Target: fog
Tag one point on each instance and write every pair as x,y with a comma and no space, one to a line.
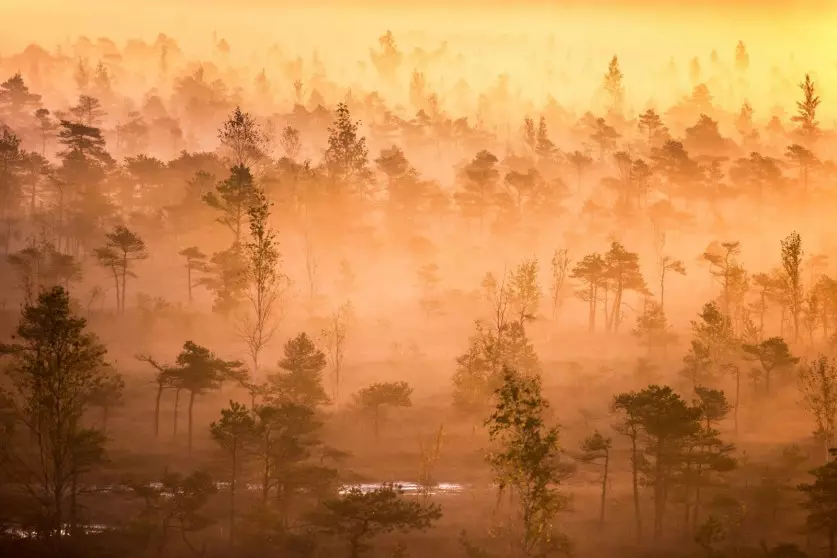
413,279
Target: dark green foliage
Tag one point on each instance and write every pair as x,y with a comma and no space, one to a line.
359,516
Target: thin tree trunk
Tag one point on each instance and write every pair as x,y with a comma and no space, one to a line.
635,483
604,488
174,420
157,410
232,492
191,406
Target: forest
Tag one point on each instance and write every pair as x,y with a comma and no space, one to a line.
387,310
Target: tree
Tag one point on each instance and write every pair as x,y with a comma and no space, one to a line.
725,268
359,516
668,264
652,125
772,354
526,461
334,336
265,281
668,423
524,291
614,87
233,198
175,505
623,274
592,272
243,138
707,453
301,383
107,394
594,448
818,384
742,59
195,262
122,249
605,136
88,111
54,366
579,162
11,180
806,113
347,157
479,186
560,270
232,432
375,398
166,378
198,371
652,328
712,348
804,159
792,266
821,503
629,406
16,100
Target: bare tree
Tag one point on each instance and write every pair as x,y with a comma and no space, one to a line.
334,336
560,270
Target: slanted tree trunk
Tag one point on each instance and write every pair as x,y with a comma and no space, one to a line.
604,487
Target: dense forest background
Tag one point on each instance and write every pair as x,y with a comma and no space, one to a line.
471,293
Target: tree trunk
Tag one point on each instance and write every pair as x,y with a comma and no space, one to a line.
232,492
189,278
157,410
191,406
174,418
635,483
604,488
124,279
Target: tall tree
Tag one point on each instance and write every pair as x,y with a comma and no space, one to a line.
525,461
623,274
772,354
806,113
821,503
122,249
199,371
592,272
55,365
792,253
233,198
374,399
195,263
629,406
243,139
479,186
818,384
232,432
596,447
265,281
614,88
301,379
347,156
668,264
